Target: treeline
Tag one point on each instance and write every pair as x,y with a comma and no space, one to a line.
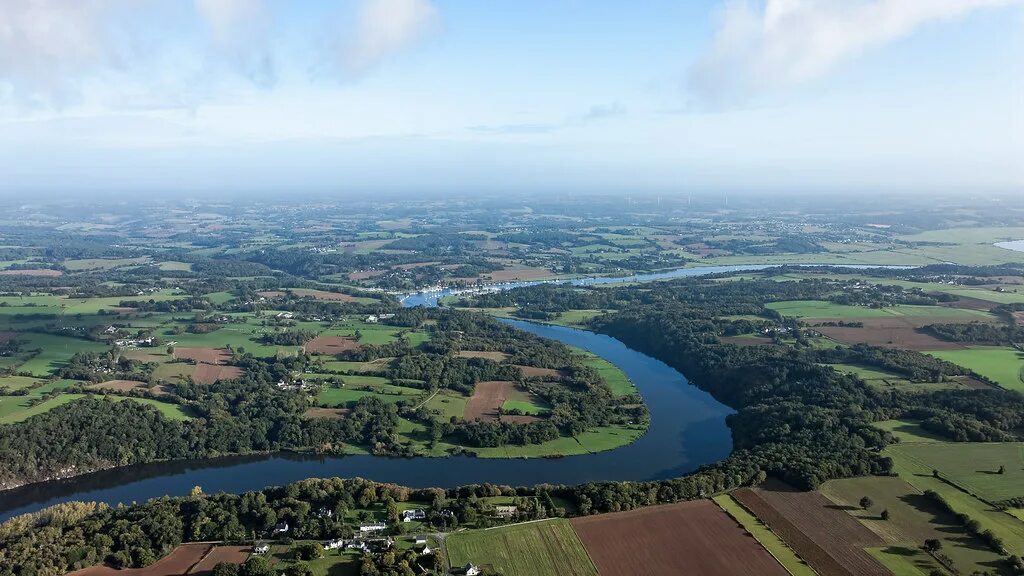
238,416
78,535
287,337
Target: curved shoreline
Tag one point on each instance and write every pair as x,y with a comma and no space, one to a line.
687,430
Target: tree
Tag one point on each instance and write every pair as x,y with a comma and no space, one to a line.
1002,469
932,545
884,515
225,569
256,566
298,569
197,492
935,472
309,551
866,503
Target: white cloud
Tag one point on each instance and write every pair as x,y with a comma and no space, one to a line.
385,27
227,17
46,44
768,43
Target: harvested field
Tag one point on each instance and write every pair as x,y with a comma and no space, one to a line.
486,399
43,272
496,356
209,373
968,303
695,538
226,554
143,356
325,413
177,563
913,519
746,340
204,355
271,294
128,386
534,372
365,274
323,295
827,538
889,332
548,548
331,345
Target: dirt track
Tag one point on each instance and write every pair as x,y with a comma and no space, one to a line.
690,538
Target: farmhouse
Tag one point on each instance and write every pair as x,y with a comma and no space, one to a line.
375,527
467,570
416,514
261,549
334,544
505,511
280,528
420,540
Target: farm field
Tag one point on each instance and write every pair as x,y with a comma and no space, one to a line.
1001,364
177,563
820,309
913,518
973,466
616,378
775,546
799,517
884,380
548,548
696,538
1003,525
907,431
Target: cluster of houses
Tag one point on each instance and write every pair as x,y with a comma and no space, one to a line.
136,342
414,515
374,318
297,386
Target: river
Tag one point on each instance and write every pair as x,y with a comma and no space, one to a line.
687,430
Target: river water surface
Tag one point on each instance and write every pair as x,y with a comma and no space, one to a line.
687,430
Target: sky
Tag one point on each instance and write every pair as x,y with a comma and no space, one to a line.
358,96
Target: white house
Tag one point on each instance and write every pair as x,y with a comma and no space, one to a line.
261,549
334,544
281,528
415,514
375,527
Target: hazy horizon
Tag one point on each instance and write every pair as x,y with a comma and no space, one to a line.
435,96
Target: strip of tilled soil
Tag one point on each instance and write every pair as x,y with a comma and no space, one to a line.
486,399
534,372
177,563
888,333
209,373
331,345
226,554
496,356
207,355
45,272
689,538
326,413
828,539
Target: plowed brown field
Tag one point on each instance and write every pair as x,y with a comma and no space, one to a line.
331,345
207,355
690,538
486,399
226,554
890,332
208,373
827,538
177,563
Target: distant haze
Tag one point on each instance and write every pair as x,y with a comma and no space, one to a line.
435,96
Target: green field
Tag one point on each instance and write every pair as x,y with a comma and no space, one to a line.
589,442
973,466
357,387
1001,364
913,518
16,408
764,536
616,378
56,351
549,548
824,309
907,431
919,475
